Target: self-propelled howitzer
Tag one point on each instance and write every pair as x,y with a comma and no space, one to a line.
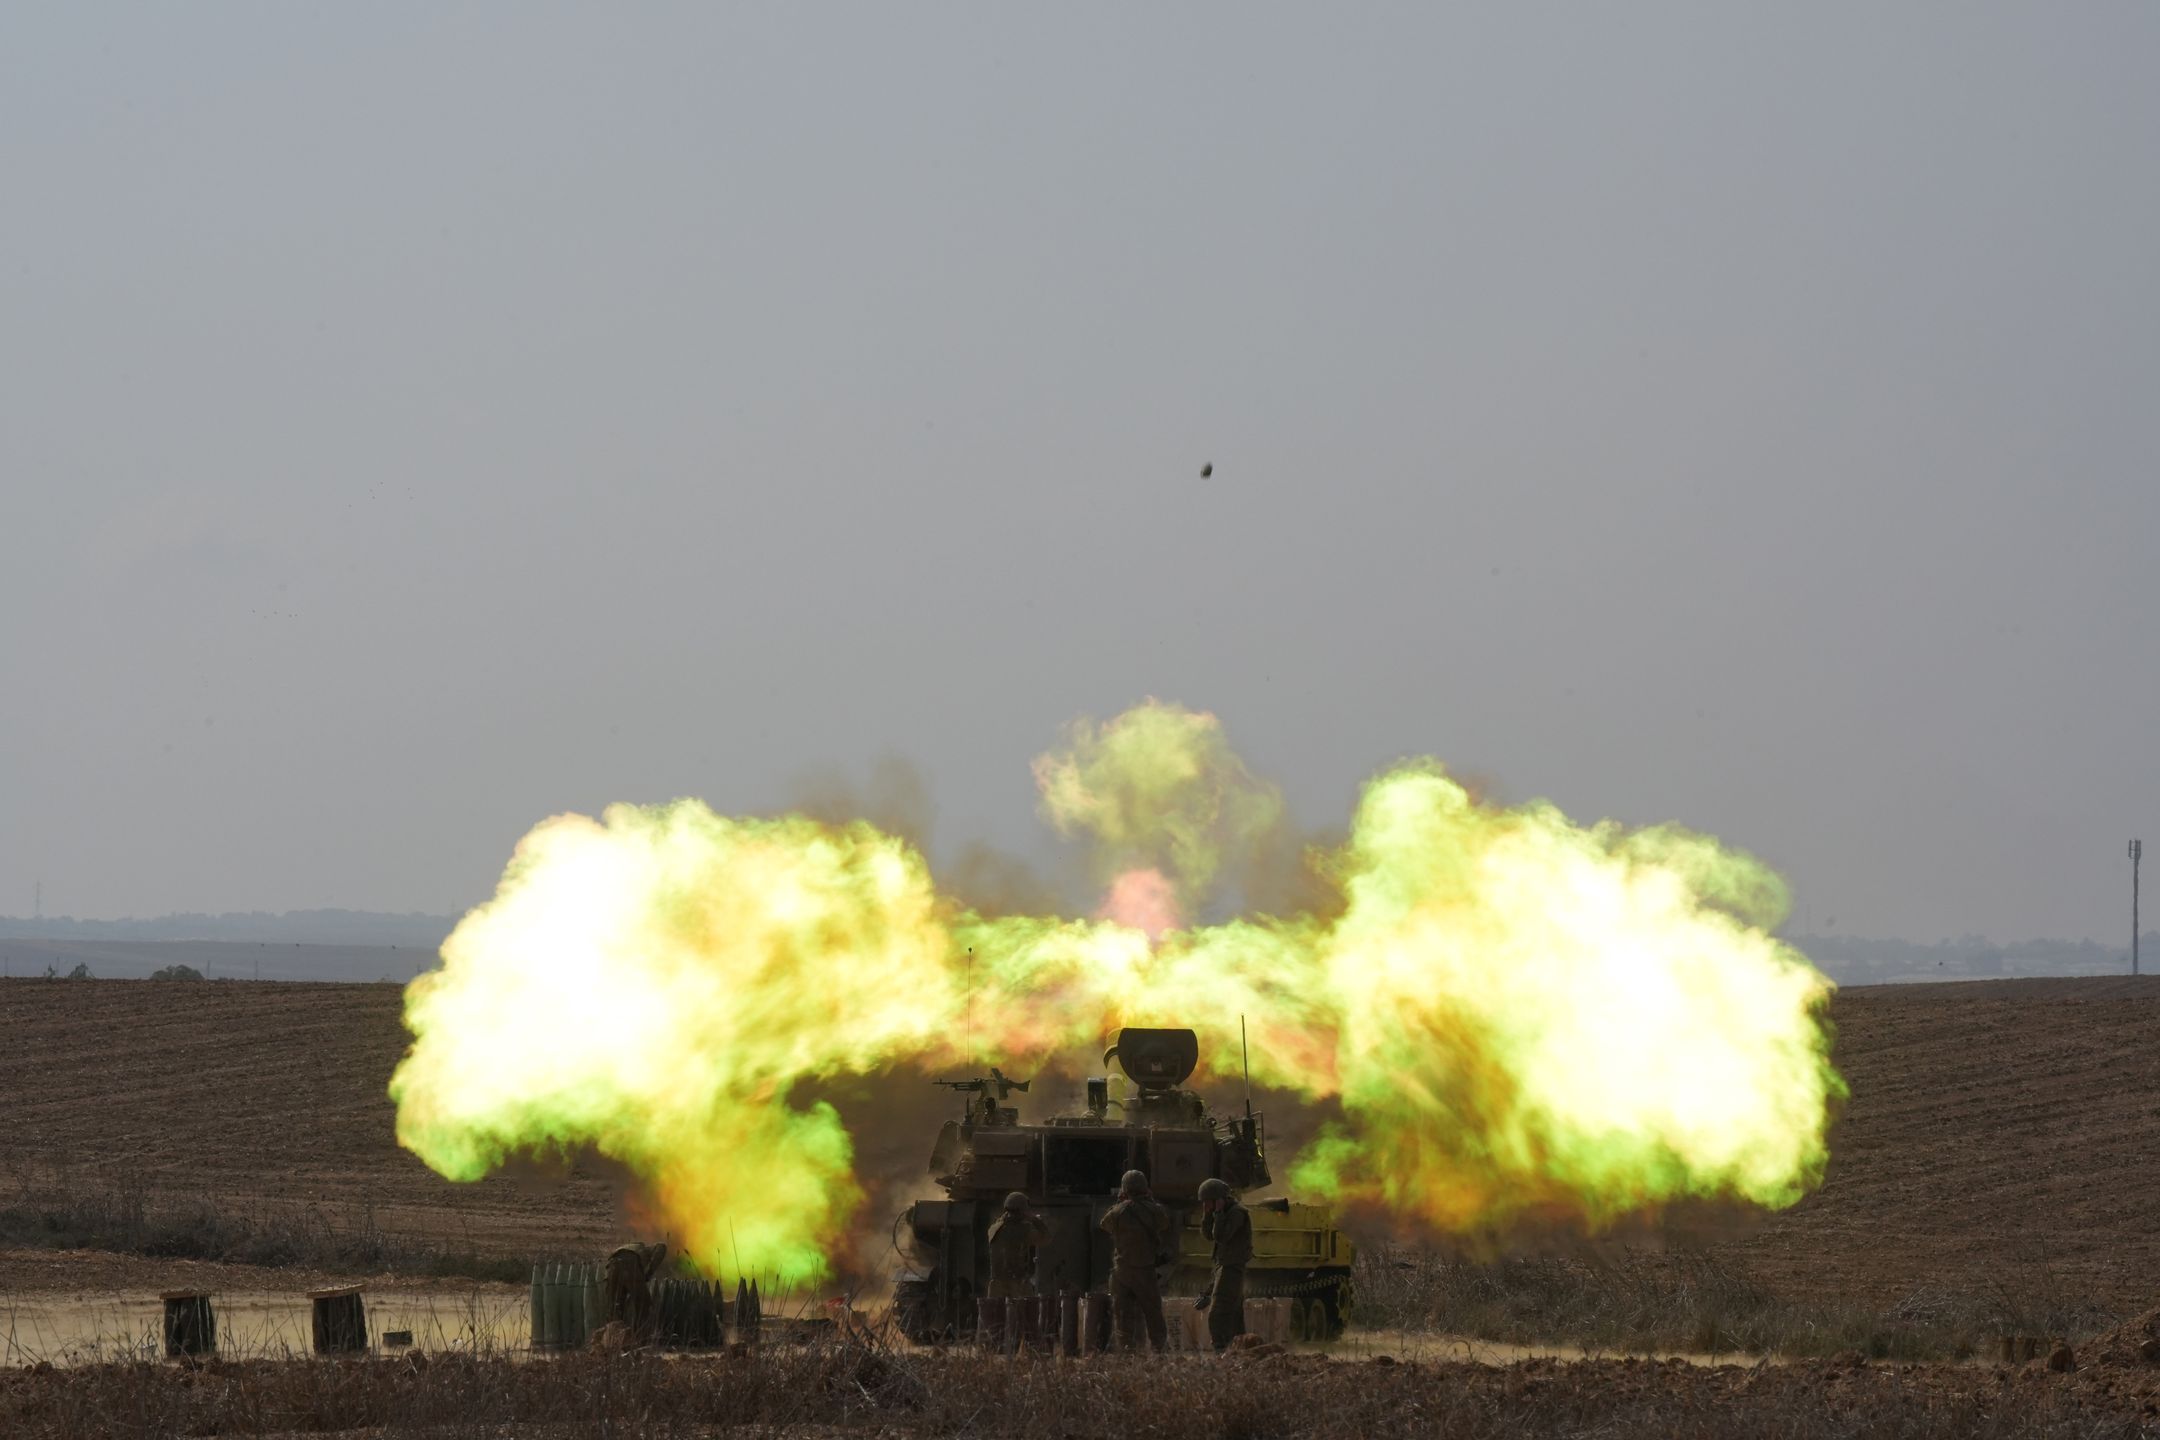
1069,1167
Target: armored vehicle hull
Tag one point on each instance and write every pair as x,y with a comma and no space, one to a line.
1069,1167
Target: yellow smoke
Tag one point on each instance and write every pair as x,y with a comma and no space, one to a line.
1157,786
1520,1018
652,986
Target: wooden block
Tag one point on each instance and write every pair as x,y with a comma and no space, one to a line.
190,1323
340,1320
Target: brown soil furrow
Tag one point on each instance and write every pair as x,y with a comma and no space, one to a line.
1995,1128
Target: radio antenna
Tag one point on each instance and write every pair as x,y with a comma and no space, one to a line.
1245,1059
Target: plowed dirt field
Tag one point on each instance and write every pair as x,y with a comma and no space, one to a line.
267,1095
1999,1133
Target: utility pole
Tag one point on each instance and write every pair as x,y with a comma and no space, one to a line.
37,907
2137,853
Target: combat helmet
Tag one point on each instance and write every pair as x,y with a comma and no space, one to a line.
1214,1188
1016,1204
1134,1183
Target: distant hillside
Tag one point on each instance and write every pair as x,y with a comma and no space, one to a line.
29,959
1857,960
294,927
342,945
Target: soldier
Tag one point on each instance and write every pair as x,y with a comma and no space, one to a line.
1225,1222
629,1273
1139,1231
1012,1248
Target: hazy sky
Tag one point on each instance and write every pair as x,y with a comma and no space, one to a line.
419,419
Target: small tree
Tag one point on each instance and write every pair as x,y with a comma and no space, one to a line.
177,972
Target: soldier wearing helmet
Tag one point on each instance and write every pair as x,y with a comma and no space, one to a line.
628,1277
1225,1222
1140,1231
1013,1241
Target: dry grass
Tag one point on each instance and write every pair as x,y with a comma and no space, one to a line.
867,1384
1696,1302
870,1388
50,1210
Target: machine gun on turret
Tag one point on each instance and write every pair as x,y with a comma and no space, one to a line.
993,1088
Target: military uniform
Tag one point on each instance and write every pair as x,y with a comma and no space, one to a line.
1012,1253
1139,1229
1231,1230
629,1275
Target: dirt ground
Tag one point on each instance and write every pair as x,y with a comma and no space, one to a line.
866,1393
256,1093
127,1322
2000,1133
40,1274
